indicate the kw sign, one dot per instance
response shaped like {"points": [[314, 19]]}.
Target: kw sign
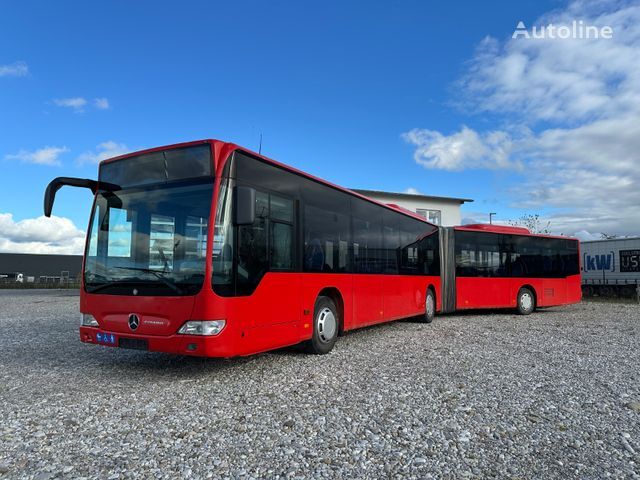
{"points": [[603, 262]]}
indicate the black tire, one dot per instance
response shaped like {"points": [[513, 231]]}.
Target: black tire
{"points": [[429, 308], [526, 301], [326, 325]]}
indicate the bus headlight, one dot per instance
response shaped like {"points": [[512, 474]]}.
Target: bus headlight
{"points": [[88, 320], [202, 327]]}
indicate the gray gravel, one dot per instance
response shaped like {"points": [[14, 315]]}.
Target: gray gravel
{"points": [[555, 394]]}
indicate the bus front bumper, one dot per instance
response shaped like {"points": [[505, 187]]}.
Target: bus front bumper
{"points": [[196, 345]]}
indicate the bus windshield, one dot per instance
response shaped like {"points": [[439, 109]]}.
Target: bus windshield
{"points": [[149, 240]]}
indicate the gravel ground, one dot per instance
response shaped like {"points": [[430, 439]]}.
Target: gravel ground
{"points": [[490, 394]]}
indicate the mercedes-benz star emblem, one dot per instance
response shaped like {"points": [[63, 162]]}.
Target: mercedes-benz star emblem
{"points": [[134, 321]]}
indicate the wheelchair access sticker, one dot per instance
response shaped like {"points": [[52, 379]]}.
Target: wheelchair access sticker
{"points": [[106, 338]]}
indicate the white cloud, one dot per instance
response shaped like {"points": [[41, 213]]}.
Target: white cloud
{"points": [[561, 80], [570, 111], [16, 69], [108, 149], [413, 191], [42, 156], [460, 150], [76, 103], [40, 235], [101, 103]]}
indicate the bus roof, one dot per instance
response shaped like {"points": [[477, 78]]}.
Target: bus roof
{"points": [[506, 229], [487, 227]]}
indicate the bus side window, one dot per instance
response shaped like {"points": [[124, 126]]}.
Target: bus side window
{"points": [[281, 232], [326, 247], [252, 247], [391, 242], [281, 246], [223, 242]]}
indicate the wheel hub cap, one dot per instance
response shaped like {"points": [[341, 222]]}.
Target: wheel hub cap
{"points": [[526, 301], [326, 325], [430, 305]]}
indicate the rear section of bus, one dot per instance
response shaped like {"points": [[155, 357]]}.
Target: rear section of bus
{"points": [[488, 266]]}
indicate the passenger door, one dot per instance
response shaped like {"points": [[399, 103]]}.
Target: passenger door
{"points": [[266, 263]]}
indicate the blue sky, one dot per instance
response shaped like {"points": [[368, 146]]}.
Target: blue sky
{"points": [[380, 95]]}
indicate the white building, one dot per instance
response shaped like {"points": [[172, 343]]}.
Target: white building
{"points": [[443, 211]]}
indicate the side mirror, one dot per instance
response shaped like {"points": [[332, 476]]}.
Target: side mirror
{"points": [[57, 183], [244, 201]]}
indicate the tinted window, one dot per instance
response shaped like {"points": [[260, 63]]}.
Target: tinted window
{"points": [[339, 233], [480, 254], [281, 208], [544, 257], [411, 232], [390, 241], [430, 254], [281, 246], [252, 255], [224, 241], [368, 255], [159, 167], [326, 240], [264, 176]]}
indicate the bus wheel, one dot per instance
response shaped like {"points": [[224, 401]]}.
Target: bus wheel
{"points": [[326, 322], [429, 307], [526, 301]]}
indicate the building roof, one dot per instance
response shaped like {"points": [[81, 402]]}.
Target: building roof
{"points": [[616, 239], [411, 195]]}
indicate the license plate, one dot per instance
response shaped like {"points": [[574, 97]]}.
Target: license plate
{"points": [[106, 338], [134, 343]]}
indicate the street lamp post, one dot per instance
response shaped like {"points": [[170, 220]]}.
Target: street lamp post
{"points": [[491, 214]]}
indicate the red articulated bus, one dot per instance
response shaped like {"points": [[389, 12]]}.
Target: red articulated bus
{"points": [[492, 266], [209, 249]]}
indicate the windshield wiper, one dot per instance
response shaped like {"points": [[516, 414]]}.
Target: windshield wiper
{"points": [[158, 275], [102, 286]]}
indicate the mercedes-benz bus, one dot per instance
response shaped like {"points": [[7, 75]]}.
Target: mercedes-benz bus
{"points": [[206, 248]]}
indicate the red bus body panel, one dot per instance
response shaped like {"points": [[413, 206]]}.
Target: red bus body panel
{"points": [[479, 292], [278, 313]]}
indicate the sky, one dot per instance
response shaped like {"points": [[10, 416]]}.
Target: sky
{"points": [[405, 96]]}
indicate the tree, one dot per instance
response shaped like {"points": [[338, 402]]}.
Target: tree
{"points": [[533, 223]]}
